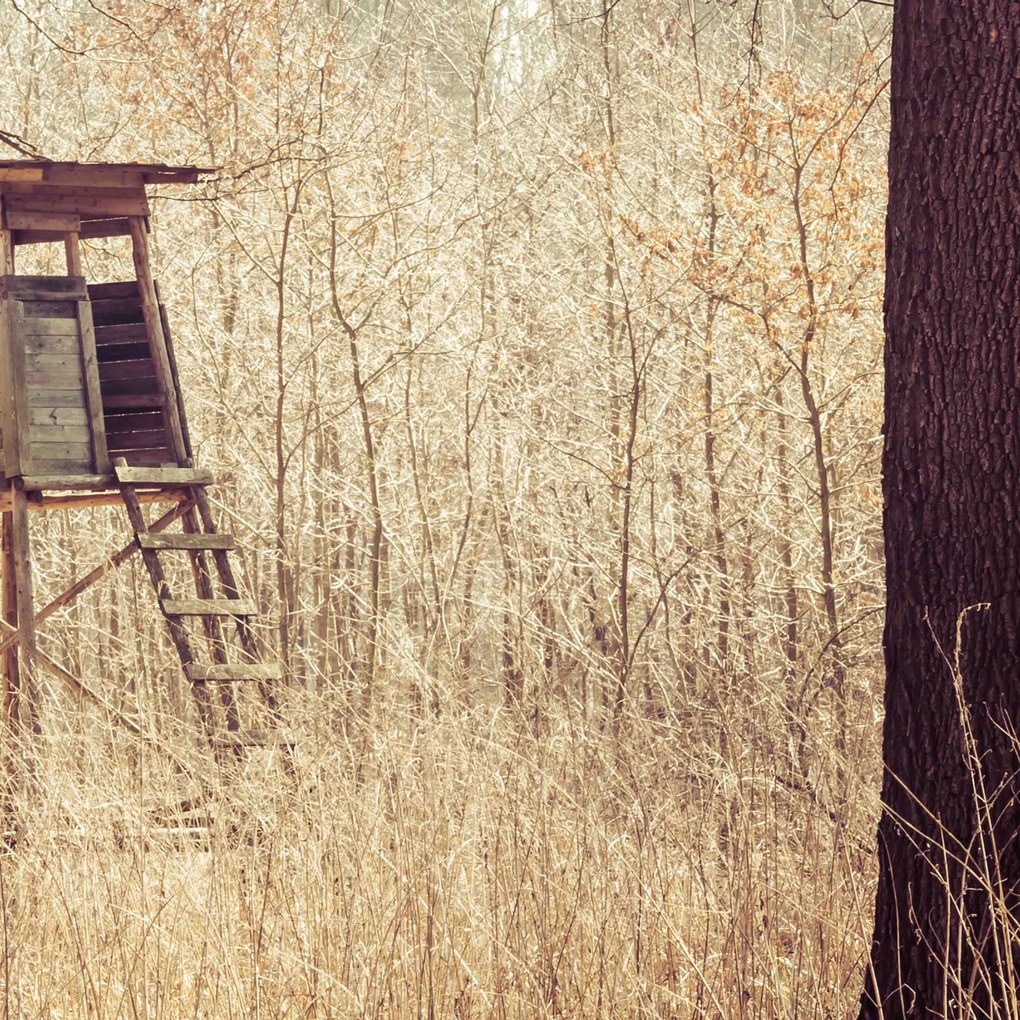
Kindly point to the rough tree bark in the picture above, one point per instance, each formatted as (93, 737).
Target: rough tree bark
(948, 904)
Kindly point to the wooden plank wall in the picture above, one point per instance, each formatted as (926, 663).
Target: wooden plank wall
(51, 410)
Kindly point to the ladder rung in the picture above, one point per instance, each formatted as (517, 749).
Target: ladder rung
(209, 607)
(169, 476)
(161, 540)
(254, 738)
(245, 671)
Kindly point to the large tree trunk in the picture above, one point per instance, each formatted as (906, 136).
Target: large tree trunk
(948, 847)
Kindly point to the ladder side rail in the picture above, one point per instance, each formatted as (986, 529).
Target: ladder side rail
(211, 623)
(178, 634)
(168, 340)
(249, 641)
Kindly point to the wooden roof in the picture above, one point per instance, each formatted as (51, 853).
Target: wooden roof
(44, 171)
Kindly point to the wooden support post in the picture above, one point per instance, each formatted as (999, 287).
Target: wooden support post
(72, 254)
(89, 363)
(249, 642)
(157, 341)
(20, 704)
(211, 624)
(19, 562)
(6, 253)
(9, 611)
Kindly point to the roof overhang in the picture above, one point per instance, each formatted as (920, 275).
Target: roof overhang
(66, 174)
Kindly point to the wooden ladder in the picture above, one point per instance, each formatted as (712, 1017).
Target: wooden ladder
(200, 540)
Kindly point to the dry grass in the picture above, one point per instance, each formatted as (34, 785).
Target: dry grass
(461, 867)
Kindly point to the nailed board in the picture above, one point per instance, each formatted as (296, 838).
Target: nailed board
(46, 309)
(49, 427)
(44, 332)
(56, 415)
(87, 203)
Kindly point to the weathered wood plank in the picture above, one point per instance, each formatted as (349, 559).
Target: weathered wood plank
(40, 236)
(127, 388)
(55, 398)
(50, 189)
(53, 378)
(8, 414)
(115, 291)
(50, 361)
(114, 403)
(157, 341)
(76, 481)
(56, 381)
(19, 562)
(58, 434)
(54, 221)
(124, 352)
(143, 421)
(89, 176)
(199, 672)
(175, 380)
(57, 466)
(42, 288)
(145, 459)
(116, 312)
(81, 452)
(118, 371)
(123, 333)
(74, 286)
(90, 372)
(37, 327)
(86, 205)
(147, 540)
(105, 228)
(166, 476)
(57, 415)
(49, 310)
(61, 346)
(118, 442)
(17, 453)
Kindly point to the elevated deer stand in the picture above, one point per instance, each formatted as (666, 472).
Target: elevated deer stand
(91, 414)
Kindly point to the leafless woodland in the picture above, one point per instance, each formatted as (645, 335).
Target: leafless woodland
(537, 346)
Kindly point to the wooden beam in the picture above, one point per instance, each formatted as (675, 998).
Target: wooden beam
(17, 453)
(90, 372)
(164, 476)
(172, 361)
(19, 562)
(87, 203)
(61, 222)
(105, 228)
(41, 236)
(154, 331)
(6, 253)
(79, 501)
(9, 616)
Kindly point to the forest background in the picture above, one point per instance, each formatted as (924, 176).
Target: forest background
(538, 346)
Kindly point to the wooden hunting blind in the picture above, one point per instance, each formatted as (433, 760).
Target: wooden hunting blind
(91, 413)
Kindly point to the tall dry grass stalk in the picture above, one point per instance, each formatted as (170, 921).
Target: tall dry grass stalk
(463, 867)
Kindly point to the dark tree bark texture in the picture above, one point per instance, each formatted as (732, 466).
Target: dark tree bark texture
(947, 905)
